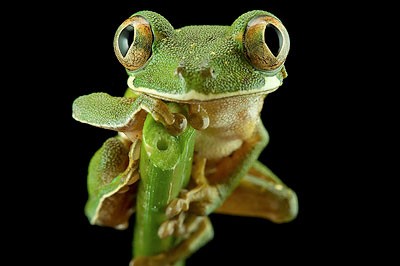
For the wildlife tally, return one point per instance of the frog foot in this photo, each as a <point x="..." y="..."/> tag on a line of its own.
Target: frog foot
<point x="194" y="201"/>
<point x="198" y="117"/>
<point x="173" y="226"/>
<point x="178" y="125"/>
<point x="198" y="232"/>
<point x="182" y="203"/>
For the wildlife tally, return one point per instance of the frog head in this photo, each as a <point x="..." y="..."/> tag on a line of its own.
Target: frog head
<point x="203" y="62"/>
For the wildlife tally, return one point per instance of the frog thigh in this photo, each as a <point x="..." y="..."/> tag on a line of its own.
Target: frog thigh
<point x="262" y="194"/>
<point x="112" y="185"/>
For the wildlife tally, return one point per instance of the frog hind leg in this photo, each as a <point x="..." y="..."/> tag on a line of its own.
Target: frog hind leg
<point x="239" y="184"/>
<point x="212" y="183"/>
<point x="112" y="183"/>
<point x="262" y="194"/>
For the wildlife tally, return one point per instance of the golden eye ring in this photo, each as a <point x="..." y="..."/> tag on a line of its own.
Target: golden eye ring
<point x="133" y="42"/>
<point x="256" y="48"/>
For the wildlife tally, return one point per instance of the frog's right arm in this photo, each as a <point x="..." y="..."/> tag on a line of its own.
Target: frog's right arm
<point x="124" y="114"/>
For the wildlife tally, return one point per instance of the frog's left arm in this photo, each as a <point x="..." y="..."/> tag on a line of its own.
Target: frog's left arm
<point x="124" y="114"/>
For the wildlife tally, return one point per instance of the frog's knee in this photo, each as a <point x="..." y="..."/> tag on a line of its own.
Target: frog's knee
<point x="288" y="210"/>
<point x="110" y="160"/>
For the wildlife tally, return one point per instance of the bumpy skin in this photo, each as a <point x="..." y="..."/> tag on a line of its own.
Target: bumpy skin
<point x="200" y="62"/>
<point x="222" y="74"/>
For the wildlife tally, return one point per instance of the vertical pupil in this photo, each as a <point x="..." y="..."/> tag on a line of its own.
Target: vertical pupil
<point x="126" y="38"/>
<point x="272" y="38"/>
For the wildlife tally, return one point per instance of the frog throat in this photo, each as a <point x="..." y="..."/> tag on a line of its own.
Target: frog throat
<point x="270" y="85"/>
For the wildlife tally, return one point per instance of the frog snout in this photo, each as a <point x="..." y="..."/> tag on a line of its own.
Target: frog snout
<point x="201" y="72"/>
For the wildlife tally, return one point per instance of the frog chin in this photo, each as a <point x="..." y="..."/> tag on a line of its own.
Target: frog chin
<point x="271" y="84"/>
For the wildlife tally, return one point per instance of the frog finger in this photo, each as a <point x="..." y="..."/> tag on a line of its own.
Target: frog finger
<point x="198" y="117"/>
<point x="198" y="232"/>
<point x="175" y="123"/>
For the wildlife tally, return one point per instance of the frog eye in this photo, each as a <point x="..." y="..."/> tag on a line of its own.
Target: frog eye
<point x="256" y="40"/>
<point x="132" y="42"/>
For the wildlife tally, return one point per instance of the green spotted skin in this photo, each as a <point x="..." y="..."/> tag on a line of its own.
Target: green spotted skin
<point x="206" y="60"/>
<point x="104" y="110"/>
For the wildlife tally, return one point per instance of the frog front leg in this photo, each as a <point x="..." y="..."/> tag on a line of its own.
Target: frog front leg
<point x="125" y="114"/>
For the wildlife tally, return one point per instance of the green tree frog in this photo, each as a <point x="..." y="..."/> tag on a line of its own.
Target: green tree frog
<point x="221" y="75"/>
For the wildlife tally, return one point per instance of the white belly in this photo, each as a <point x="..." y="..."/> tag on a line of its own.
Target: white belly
<point x="232" y="120"/>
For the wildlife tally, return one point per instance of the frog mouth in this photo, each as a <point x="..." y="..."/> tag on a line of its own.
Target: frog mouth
<point x="271" y="84"/>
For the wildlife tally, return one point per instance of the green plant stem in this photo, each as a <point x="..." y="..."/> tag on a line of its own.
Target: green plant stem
<point x="165" y="167"/>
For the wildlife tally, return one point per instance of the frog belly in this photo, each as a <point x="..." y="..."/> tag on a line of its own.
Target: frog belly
<point x="232" y="121"/>
<point x="215" y="148"/>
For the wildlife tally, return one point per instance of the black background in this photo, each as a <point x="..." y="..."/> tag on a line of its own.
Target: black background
<point x="72" y="49"/>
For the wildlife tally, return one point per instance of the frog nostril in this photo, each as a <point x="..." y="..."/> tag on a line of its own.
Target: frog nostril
<point x="207" y="72"/>
<point x="272" y="39"/>
<point x="180" y="70"/>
